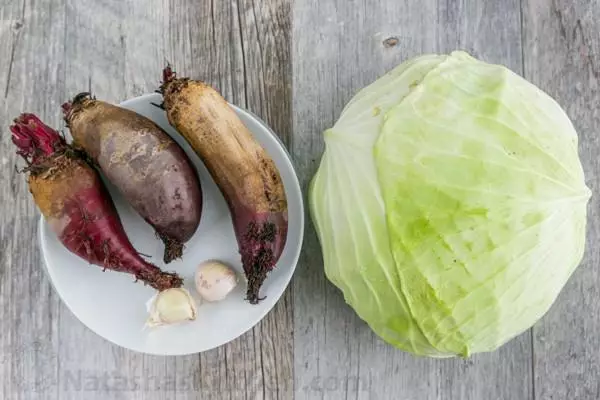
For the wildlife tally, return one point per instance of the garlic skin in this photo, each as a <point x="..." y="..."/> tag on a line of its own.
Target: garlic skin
<point x="215" y="280"/>
<point x="171" y="306"/>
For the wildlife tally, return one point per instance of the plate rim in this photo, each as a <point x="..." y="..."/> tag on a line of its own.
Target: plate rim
<point x="287" y="279"/>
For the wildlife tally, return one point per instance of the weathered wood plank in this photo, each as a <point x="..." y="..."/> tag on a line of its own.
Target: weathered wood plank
<point x="111" y="50"/>
<point x="30" y="43"/>
<point x="562" y="56"/>
<point x="338" y="47"/>
<point x="241" y="48"/>
<point x="117" y="50"/>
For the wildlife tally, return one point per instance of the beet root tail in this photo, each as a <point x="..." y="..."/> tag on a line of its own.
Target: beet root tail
<point x="255" y="281"/>
<point x="173" y="249"/>
<point x="258" y="260"/>
<point x="260" y="248"/>
<point x="160" y="280"/>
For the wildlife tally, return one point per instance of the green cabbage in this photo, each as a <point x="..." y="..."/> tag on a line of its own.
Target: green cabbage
<point x="450" y="204"/>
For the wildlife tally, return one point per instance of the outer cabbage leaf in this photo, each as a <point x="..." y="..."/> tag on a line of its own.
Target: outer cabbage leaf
<point x="349" y="215"/>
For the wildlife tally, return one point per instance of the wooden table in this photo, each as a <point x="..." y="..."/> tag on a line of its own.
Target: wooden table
<point x="294" y="63"/>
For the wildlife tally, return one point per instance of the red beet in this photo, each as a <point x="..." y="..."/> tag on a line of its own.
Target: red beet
<point x="77" y="206"/>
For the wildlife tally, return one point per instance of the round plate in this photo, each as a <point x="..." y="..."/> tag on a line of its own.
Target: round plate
<point x="113" y="306"/>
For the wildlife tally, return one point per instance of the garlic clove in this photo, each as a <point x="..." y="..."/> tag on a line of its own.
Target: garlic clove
<point x="171" y="306"/>
<point x="215" y="280"/>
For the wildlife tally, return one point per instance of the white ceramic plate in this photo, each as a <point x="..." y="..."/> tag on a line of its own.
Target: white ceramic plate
<point x="114" y="307"/>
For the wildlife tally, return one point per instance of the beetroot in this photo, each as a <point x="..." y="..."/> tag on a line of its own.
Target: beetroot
<point x="244" y="172"/>
<point x="77" y="206"/>
<point x="148" y="167"/>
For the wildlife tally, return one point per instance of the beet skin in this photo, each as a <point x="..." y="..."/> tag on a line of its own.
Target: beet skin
<point x="148" y="167"/>
<point x="77" y="206"/>
<point x="242" y="169"/>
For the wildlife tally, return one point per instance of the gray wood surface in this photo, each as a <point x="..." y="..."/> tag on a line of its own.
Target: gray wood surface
<point x="294" y="63"/>
<point x="336" y="356"/>
<point x="561" y="47"/>
<point x="118" y="49"/>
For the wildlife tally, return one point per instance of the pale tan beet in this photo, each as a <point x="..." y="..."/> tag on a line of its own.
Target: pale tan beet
<point x="244" y="172"/>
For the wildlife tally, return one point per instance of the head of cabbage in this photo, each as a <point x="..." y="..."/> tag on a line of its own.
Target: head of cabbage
<point x="450" y="205"/>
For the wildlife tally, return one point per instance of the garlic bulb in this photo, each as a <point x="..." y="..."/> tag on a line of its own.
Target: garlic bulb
<point x="214" y="280"/>
<point x="171" y="306"/>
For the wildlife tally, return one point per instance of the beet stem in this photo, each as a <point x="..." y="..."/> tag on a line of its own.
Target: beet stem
<point x="72" y="106"/>
<point x="168" y="74"/>
<point x="34" y="139"/>
<point x="66" y="107"/>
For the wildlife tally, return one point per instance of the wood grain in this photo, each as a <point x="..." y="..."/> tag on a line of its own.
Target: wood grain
<point x="338" y="47"/>
<point x="29" y="308"/>
<point x="295" y="63"/>
<point x="103" y="40"/>
<point x="241" y="48"/>
<point x="117" y="49"/>
<point x="562" y="56"/>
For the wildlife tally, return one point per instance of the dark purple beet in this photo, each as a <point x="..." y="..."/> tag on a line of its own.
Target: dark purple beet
<point x="148" y="167"/>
